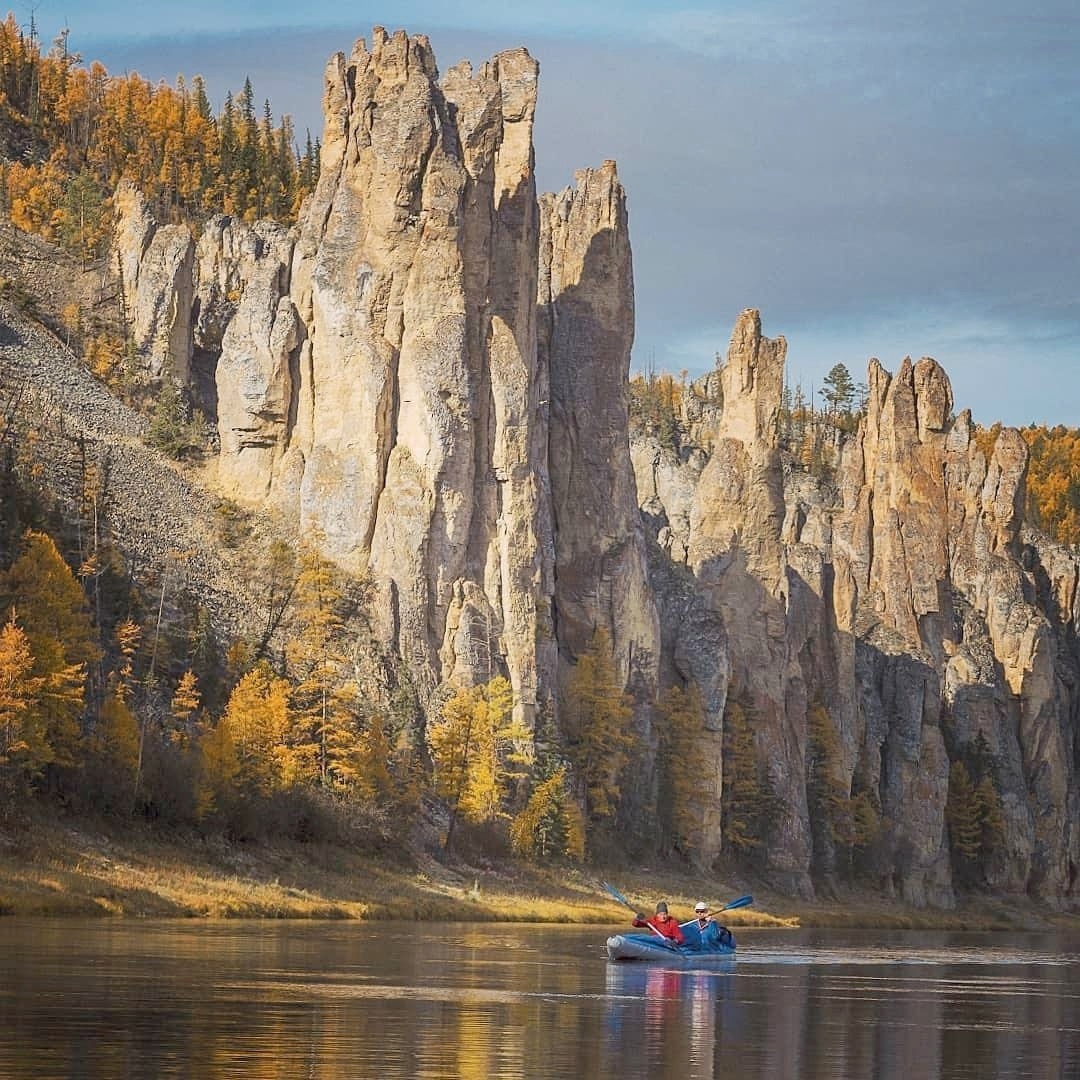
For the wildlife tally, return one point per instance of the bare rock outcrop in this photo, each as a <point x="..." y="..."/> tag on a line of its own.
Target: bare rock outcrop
<point x="156" y="280"/>
<point x="415" y="383"/>
<point x="428" y="376"/>
<point x="909" y="602"/>
<point x="586" y="301"/>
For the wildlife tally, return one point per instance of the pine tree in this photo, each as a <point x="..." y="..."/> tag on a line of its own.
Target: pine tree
<point x="838" y="390"/>
<point x="962" y="815"/>
<point x="828" y="799"/>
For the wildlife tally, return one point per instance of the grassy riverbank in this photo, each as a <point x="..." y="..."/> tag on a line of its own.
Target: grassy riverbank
<point x="59" y="869"/>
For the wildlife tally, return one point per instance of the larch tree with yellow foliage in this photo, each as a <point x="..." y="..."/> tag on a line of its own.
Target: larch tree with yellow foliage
<point x="473" y="747"/>
<point x="318" y="651"/>
<point x="185" y="704"/>
<point x="53" y="614"/>
<point x="23" y="747"/>
<point x="596" y="719"/>
<point x="258" y="720"/>
<point x="550" y="825"/>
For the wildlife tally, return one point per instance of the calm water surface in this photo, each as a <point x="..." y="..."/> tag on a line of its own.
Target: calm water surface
<point x="264" y="999"/>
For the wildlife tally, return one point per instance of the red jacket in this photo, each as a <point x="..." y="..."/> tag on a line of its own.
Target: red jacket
<point x="669" y="928"/>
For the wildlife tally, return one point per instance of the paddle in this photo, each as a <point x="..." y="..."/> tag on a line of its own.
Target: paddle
<point x="743" y="901"/>
<point x="618" y="896"/>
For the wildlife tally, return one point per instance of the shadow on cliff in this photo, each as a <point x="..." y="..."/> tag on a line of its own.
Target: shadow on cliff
<point x="786" y="653"/>
<point x="584" y="334"/>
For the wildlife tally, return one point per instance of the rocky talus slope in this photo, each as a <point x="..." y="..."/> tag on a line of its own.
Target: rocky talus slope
<point x="427" y="377"/>
<point x="158" y="515"/>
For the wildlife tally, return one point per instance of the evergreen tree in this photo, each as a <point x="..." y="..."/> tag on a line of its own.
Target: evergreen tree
<point x="551" y="823"/>
<point x="829" y="803"/>
<point x="962" y="816"/>
<point x="749" y="805"/>
<point x="839" y="390"/>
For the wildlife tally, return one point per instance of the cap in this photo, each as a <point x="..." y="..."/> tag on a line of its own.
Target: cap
<point x="700" y="906"/>
<point x="661" y="907"/>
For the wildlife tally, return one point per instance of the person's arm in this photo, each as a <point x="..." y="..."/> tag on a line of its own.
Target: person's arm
<point x="640" y="920"/>
<point x="676" y="933"/>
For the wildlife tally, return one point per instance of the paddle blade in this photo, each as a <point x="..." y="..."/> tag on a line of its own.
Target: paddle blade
<point x="616" y="895"/>
<point x="743" y="901"/>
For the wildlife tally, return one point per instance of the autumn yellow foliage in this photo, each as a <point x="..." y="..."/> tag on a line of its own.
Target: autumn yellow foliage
<point x="93" y="129"/>
<point x="1053" y="481"/>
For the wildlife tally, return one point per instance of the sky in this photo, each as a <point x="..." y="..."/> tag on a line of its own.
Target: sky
<point x="885" y="185"/>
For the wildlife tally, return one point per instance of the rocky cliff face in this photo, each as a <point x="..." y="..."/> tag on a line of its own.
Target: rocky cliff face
<point x="428" y="375"/>
<point x="586" y="303"/>
<point x="906" y="601"/>
<point x="377" y="373"/>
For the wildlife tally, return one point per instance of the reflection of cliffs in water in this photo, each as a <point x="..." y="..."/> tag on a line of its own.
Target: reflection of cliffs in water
<point x="429" y="373"/>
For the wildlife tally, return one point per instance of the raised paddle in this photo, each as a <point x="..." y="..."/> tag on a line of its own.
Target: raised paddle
<point x="743" y="901"/>
<point x="619" y="898"/>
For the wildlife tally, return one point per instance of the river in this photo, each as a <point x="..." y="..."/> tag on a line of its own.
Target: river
<point x="134" y="999"/>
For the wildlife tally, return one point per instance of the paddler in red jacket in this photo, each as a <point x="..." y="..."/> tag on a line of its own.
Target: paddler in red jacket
<point x="662" y="923"/>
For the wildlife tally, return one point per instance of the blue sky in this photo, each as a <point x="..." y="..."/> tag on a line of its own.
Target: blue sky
<point x="879" y="185"/>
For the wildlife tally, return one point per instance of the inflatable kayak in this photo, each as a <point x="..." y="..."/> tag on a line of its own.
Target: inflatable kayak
<point x="653" y="947"/>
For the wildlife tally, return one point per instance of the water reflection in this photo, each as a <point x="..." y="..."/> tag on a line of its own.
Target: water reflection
<point x="269" y="1000"/>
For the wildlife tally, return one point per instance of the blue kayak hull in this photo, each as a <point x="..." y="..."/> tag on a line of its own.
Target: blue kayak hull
<point x="650" y="947"/>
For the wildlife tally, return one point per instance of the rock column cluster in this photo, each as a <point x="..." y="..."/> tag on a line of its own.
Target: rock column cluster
<point x="379" y="376"/>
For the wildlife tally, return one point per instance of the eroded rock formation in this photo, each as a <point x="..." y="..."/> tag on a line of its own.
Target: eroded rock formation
<point x="428" y="374"/>
<point x="907" y="603"/>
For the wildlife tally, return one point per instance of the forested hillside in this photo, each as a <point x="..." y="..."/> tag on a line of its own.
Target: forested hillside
<point x="72" y="132"/>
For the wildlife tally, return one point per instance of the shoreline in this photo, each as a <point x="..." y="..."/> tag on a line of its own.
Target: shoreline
<point x="57" y="870"/>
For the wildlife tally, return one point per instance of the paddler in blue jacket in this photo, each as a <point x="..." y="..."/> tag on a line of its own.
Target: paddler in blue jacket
<point x="713" y="936"/>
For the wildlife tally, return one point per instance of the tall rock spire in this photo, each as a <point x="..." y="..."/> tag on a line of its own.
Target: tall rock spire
<point x="586" y="300"/>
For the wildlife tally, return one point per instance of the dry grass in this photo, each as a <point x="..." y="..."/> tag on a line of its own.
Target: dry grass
<point x="57" y="869"/>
